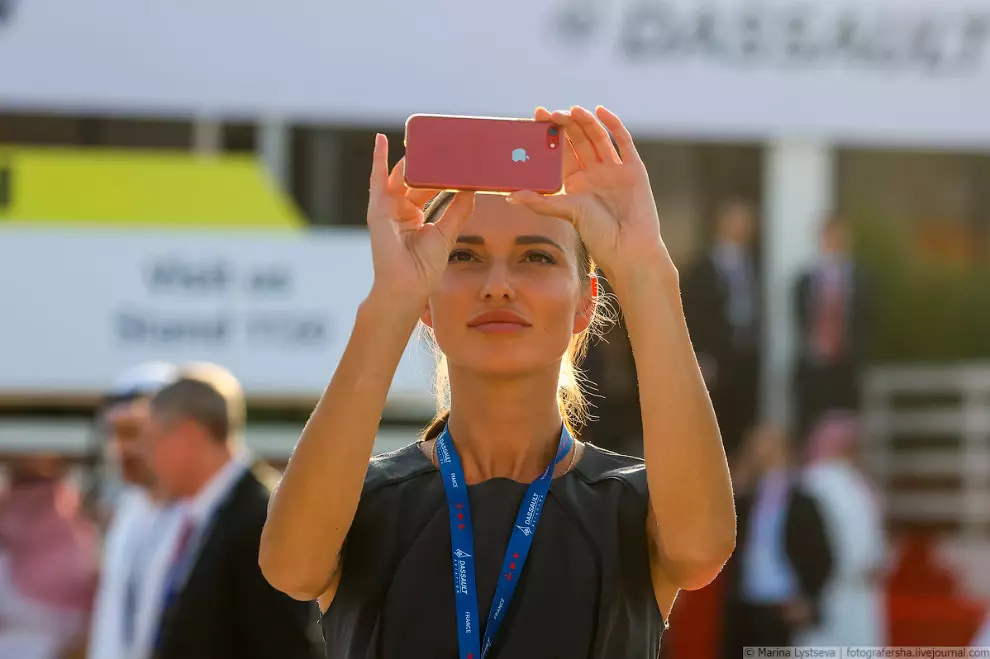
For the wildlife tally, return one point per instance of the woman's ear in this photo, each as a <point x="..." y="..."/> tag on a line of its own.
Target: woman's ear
<point x="586" y="311"/>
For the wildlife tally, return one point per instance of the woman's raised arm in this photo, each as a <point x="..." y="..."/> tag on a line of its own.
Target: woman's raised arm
<point x="312" y="508"/>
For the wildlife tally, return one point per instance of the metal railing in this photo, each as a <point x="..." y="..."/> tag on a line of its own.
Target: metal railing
<point x="932" y="459"/>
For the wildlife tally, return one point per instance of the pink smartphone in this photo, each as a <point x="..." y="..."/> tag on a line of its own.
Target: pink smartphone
<point x="483" y="154"/>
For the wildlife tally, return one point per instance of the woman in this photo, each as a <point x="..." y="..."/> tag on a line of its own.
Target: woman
<point x="852" y="602"/>
<point x="508" y="290"/>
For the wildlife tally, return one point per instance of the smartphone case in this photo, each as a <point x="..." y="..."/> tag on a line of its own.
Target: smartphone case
<point x="483" y="154"/>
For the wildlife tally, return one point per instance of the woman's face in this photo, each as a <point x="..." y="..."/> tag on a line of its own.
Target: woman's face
<point x="511" y="297"/>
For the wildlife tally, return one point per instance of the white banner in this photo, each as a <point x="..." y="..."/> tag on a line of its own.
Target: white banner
<point x="908" y="71"/>
<point x="79" y="307"/>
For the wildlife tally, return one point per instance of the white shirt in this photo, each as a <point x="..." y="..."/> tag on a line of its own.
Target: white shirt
<point x="852" y="605"/>
<point x="767" y="574"/>
<point x="136" y="555"/>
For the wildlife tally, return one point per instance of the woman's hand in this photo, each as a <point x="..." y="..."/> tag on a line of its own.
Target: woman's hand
<point x="409" y="255"/>
<point x="607" y="194"/>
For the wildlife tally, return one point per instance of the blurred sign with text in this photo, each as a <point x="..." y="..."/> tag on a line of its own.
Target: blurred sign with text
<point x="851" y="70"/>
<point x="81" y="306"/>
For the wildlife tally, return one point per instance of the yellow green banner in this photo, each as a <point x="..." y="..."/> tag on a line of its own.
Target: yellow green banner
<point x="141" y="189"/>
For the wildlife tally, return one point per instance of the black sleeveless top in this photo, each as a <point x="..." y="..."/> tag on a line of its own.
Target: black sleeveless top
<point x="585" y="590"/>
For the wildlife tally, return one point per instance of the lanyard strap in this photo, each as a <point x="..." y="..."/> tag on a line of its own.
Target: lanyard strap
<point x="462" y="545"/>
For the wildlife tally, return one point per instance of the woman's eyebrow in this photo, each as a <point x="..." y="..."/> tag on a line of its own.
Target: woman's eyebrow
<point x="520" y="240"/>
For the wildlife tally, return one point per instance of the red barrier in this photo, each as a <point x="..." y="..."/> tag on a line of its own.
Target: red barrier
<point x="949" y="621"/>
<point x="924" y="608"/>
<point x="696" y="624"/>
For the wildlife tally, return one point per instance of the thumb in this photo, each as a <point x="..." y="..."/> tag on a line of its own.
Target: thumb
<point x="452" y="219"/>
<point x="561" y="206"/>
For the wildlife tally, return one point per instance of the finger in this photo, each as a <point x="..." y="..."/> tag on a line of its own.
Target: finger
<point x="571" y="163"/>
<point x="396" y="180"/>
<point x="596" y="134"/>
<point x="627" y="149"/>
<point x="583" y="148"/>
<point x="560" y="206"/>
<point x="379" y="166"/>
<point x="573" y="160"/>
<point x="453" y="217"/>
<point x="420" y="197"/>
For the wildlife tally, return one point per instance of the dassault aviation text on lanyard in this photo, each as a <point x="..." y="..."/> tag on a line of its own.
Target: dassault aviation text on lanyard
<point x="462" y="546"/>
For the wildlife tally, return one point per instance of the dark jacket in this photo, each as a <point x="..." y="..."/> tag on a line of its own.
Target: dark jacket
<point x="227" y="610"/>
<point x="806" y="545"/>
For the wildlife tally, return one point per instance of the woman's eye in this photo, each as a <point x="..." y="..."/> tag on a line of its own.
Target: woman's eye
<point x="460" y="255"/>
<point x="540" y="257"/>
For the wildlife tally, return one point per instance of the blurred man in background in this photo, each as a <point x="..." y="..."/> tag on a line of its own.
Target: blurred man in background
<point x="833" y="328"/>
<point x="852" y="611"/>
<point x="722" y="306"/>
<point x="141" y="529"/>
<point x="48" y="561"/>
<point x="783" y="558"/>
<point x="217" y="603"/>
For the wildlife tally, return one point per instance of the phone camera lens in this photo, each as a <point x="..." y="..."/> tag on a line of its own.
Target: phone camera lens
<point x="554" y="131"/>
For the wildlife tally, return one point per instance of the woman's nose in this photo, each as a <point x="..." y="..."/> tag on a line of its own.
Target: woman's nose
<point x="498" y="283"/>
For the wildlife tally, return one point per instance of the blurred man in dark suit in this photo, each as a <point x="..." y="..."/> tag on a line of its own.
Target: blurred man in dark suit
<point x="217" y="604"/>
<point x="722" y="307"/>
<point x="832" y="304"/>
<point x="783" y="558"/>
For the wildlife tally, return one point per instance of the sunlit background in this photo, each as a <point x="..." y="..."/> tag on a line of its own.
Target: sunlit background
<point x="187" y="180"/>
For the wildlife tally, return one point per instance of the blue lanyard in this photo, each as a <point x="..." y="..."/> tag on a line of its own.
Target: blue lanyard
<point x="462" y="546"/>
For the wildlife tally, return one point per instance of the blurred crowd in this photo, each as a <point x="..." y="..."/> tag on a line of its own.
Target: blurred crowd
<point x="810" y="553"/>
<point x="810" y="556"/>
<point x="167" y="562"/>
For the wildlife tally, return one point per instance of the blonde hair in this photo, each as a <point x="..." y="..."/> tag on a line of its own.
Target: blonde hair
<point x="571" y="399"/>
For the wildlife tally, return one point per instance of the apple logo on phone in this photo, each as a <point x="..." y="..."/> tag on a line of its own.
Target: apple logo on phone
<point x="519" y="155"/>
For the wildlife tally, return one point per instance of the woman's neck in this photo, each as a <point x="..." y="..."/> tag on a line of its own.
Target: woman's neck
<point x="504" y="428"/>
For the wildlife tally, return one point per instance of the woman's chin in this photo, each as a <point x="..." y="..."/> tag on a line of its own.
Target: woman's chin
<point x="503" y="364"/>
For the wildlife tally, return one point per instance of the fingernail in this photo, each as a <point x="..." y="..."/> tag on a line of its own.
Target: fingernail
<point x="512" y="200"/>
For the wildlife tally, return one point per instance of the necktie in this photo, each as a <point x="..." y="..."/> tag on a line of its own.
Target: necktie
<point x="176" y="569"/>
<point x="830" y="320"/>
<point x="181" y="548"/>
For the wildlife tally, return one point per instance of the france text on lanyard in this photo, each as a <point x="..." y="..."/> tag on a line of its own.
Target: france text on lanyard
<point x="462" y="545"/>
